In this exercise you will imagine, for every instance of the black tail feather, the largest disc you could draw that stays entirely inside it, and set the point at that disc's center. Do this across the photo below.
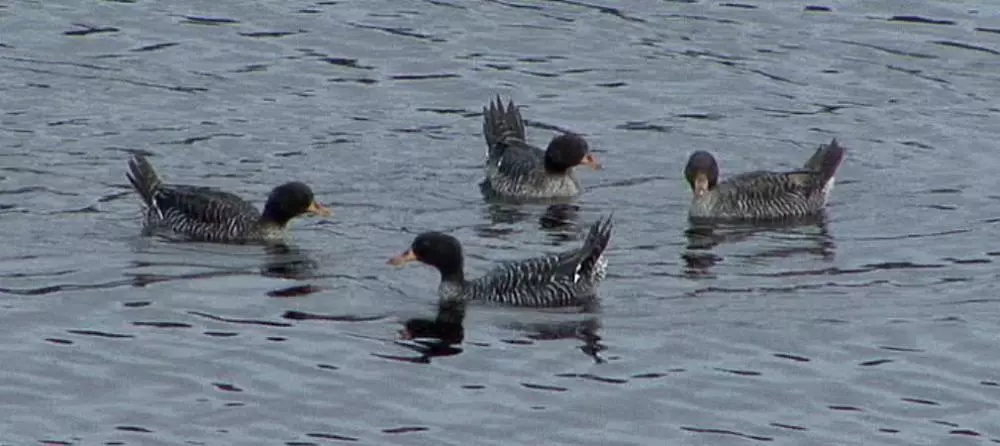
(827, 160)
(595, 244)
(143, 178)
(500, 124)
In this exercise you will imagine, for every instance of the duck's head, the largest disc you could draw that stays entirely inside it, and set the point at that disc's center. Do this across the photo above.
(291, 200)
(436, 249)
(701, 172)
(567, 151)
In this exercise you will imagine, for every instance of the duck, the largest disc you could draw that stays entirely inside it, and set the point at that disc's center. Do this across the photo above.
(518, 170)
(560, 280)
(198, 213)
(762, 195)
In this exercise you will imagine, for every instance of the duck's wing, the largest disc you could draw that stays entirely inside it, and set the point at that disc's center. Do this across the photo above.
(548, 281)
(768, 195)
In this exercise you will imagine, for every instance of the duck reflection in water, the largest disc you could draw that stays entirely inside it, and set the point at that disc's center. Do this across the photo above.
(435, 337)
(584, 330)
(558, 221)
(287, 261)
(703, 236)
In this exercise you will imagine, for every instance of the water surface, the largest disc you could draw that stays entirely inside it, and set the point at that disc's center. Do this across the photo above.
(875, 326)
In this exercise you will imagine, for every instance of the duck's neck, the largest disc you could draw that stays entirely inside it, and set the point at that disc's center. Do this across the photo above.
(454, 275)
(273, 215)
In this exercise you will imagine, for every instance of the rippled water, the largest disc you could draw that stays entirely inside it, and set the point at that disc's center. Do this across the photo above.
(877, 326)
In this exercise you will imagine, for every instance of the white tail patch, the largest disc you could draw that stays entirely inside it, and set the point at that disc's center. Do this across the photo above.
(828, 188)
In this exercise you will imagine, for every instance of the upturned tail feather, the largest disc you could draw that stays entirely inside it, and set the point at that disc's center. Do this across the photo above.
(501, 125)
(595, 244)
(826, 160)
(144, 179)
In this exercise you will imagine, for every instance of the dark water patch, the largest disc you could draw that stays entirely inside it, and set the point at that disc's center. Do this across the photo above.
(921, 401)
(775, 77)
(967, 261)
(602, 9)
(845, 408)
(63, 287)
(653, 375)
(592, 377)
(917, 73)
(404, 429)
(875, 362)
(294, 291)
(792, 357)
(269, 34)
(901, 265)
(276, 338)
(59, 341)
(327, 436)
(888, 50)
(544, 387)
(346, 62)
(901, 349)
(700, 116)
(154, 47)
(740, 372)
(195, 139)
(611, 84)
(304, 316)
(157, 324)
(134, 429)
(988, 30)
(220, 334)
(966, 46)
(919, 19)
(239, 321)
(968, 433)
(644, 126)
(101, 334)
(419, 77)
(404, 32)
(38, 274)
(210, 21)
(817, 8)
(363, 80)
(738, 5)
(74, 121)
(788, 426)
(327, 367)
(226, 387)
(88, 30)
(702, 430)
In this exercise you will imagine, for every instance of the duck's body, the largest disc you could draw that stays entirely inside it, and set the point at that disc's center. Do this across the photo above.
(516, 169)
(566, 279)
(205, 214)
(763, 195)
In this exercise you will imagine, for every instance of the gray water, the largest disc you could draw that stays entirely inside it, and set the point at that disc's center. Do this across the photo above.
(876, 326)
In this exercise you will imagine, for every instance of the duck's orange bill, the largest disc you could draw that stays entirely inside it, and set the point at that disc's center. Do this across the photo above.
(318, 209)
(591, 160)
(403, 258)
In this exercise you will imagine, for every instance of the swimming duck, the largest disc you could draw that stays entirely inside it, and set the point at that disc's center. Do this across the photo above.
(566, 279)
(762, 195)
(518, 170)
(205, 214)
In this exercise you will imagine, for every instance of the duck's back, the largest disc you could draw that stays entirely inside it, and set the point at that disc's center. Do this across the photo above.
(565, 279)
(204, 214)
(767, 195)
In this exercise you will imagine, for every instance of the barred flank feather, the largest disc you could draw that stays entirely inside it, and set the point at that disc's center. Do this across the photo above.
(195, 213)
(560, 280)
